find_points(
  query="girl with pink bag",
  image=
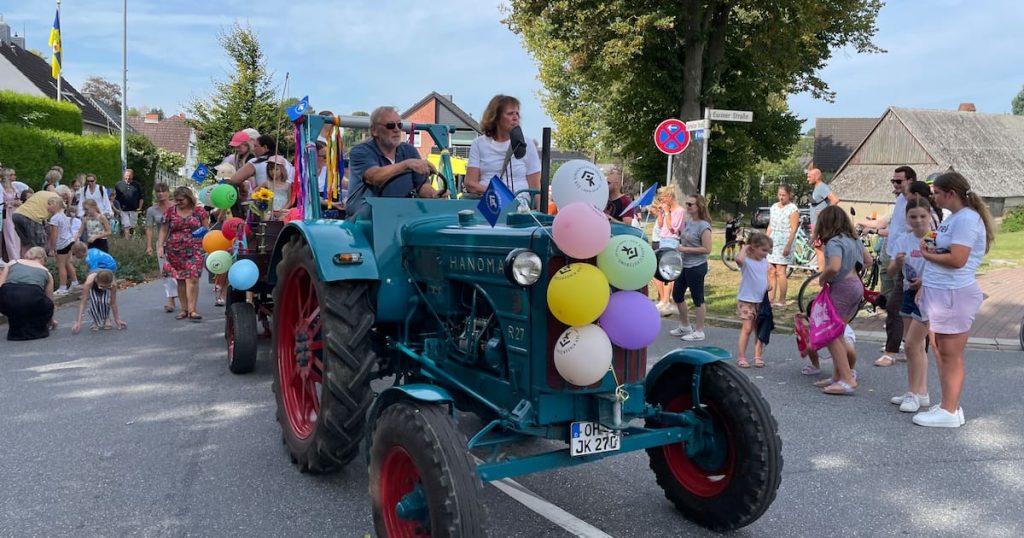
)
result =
(842, 291)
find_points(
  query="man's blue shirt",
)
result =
(368, 155)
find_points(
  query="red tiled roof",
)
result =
(170, 133)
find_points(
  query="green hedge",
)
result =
(31, 152)
(39, 112)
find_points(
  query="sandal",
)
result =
(810, 370)
(822, 383)
(168, 308)
(194, 316)
(885, 361)
(758, 362)
(218, 302)
(181, 315)
(94, 328)
(742, 363)
(839, 388)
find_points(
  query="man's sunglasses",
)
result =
(391, 125)
(896, 181)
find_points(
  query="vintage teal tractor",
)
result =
(451, 314)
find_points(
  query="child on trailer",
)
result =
(100, 294)
(753, 264)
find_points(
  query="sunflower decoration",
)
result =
(260, 200)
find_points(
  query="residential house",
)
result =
(24, 72)
(172, 134)
(984, 148)
(437, 108)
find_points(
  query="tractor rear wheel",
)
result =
(240, 332)
(324, 360)
(728, 490)
(422, 479)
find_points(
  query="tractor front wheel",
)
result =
(324, 360)
(734, 486)
(422, 479)
(240, 332)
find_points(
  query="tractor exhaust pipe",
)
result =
(545, 168)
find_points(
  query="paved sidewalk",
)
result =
(997, 325)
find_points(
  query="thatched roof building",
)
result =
(988, 149)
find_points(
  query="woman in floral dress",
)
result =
(782, 226)
(183, 252)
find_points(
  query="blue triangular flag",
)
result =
(201, 173)
(495, 198)
(298, 109)
(647, 198)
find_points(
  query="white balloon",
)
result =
(583, 355)
(579, 181)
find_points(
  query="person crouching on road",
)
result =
(100, 294)
(26, 296)
(753, 264)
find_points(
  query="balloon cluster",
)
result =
(242, 274)
(579, 293)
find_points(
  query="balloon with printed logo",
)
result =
(579, 181)
(577, 294)
(583, 355)
(204, 195)
(233, 226)
(214, 240)
(223, 196)
(631, 320)
(628, 262)
(219, 262)
(243, 275)
(580, 231)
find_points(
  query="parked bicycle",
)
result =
(810, 289)
(1022, 334)
(870, 275)
(804, 258)
(730, 248)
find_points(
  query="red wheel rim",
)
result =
(398, 477)
(697, 480)
(299, 348)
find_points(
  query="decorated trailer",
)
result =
(458, 316)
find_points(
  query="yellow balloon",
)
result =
(578, 294)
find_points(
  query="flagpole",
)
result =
(124, 85)
(60, 74)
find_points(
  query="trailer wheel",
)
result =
(733, 489)
(240, 332)
(422, 479)
(323, 362)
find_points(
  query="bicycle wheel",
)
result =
(1022, 334)
(729, 254)
(808, 291)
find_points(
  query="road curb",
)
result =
(973, 342)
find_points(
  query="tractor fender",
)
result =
(328, 238)
(417, 392)
(693, 356)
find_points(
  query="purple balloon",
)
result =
(631, 320)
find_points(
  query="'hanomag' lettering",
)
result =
(475, 264)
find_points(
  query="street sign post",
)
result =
(713, 114)
(671, 137)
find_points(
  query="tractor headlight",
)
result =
(523, 267)
(670, 264)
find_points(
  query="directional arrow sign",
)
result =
(731, 115)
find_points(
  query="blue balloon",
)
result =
(200, 232)
(243, 275)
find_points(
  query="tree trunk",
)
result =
(686, 165)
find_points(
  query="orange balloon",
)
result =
(215, 240)
(552, 208)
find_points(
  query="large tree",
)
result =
(1017, 105)
(246, 99)
(103, 89)
(612, 69)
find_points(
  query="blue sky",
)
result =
(940, 53)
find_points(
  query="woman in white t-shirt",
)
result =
(950, 296)
(487, 154)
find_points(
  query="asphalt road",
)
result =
(145, 433)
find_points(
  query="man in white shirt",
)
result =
(94, 191)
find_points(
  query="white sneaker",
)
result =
(897, 400)
(938, 417)
(74, 285)
(922, 399)
(695, 336)
(681, 330)
(959, 412)
(61, 291)
(912, 402)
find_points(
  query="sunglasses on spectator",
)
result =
(690, 204)
(391, 125)
(896, 181)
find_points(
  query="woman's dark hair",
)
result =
(268, 142)
(788, 189)
(494, 110)
(923, 200)
(920, 188)
(833, 222)
(187, 193)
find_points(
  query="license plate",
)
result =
(591, 438)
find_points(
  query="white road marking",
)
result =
(545, 509)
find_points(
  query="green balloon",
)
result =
(219, 262)
(628, 262)
(223, 196)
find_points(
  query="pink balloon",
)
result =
(580, 230)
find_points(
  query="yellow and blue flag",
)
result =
(56, 59)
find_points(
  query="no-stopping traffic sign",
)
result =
(671, 136)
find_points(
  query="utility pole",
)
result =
(124, 85)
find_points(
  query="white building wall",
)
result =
(12, 79)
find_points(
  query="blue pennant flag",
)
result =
(495, 198)
(201, 173)
(298, 109)
(647, 198)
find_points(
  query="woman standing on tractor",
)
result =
(487, 154)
